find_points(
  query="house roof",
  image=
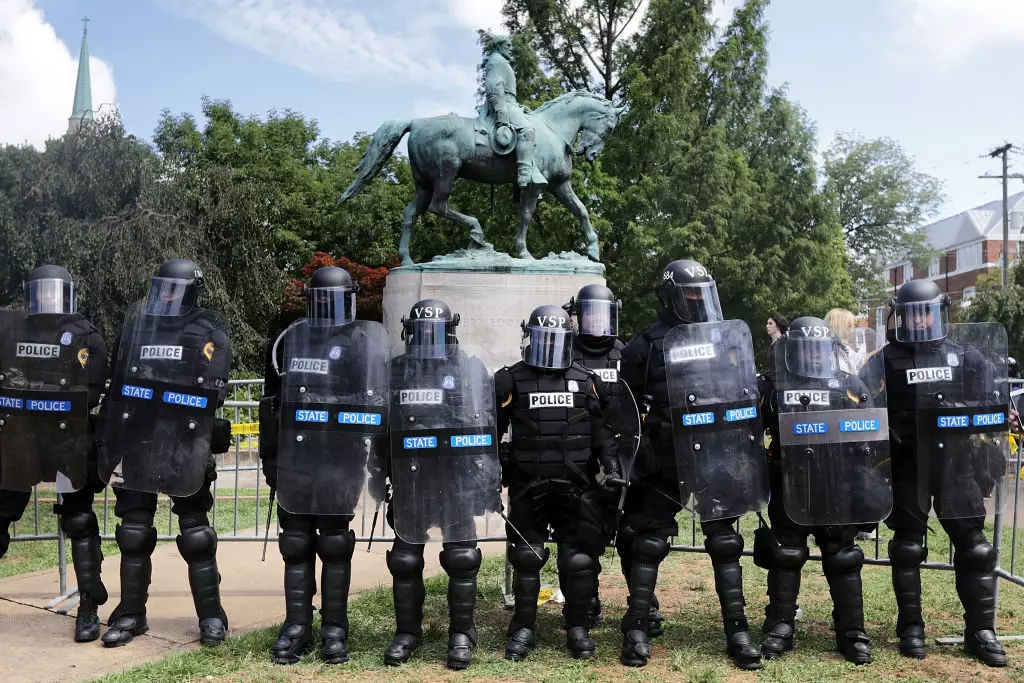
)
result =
(981, 222)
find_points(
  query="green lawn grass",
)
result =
(692, 648)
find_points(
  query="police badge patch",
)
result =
(208, 350)
(335, 353)
(952, 360)
(448, 382)
(65, 339)
(573, 385)
(83, 357)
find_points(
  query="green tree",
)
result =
(882, 201)
(992, 303)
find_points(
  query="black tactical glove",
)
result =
(220, 438)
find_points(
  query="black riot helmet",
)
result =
(548, 338)
(921, 311)
(429, 331)
(596, 310)
(688, 293)
(331, 297)
(175, 288)
(811, 348)
(49, 290)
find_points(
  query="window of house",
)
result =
(969, 257)
(969, 292)
(908, 272)
(933, 267)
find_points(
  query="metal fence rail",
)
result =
(241, 467)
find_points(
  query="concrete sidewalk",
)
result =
(38, 645)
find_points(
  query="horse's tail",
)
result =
(377, 154)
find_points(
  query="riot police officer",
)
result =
(829, 473)
(444, 473)
(322, 425)
(50, 351)
(160, 432)
(559, 442)
(687, 296)
(940, 378)
(597, 347)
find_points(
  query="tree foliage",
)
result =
(882, 201)
(992, 303)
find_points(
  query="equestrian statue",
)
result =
(445, 148)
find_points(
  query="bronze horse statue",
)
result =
(445, 148)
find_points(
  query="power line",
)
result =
(1003, 152)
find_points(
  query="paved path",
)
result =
(38, 645)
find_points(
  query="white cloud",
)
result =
(722, 11)
(37, 76)
(945, 32)
(330, 40)
(476, 14)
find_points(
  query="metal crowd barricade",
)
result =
(242, 463)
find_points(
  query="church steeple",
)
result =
(81, 110)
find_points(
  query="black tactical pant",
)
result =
(461, 560)
(78, 522)
(302, 538)
(577, 517)
(783, 552)
(649, 520)
(974, 562)
(197, 543)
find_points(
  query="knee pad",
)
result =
(650, 549)
(80, 525)
(5, 542)
(790, 557)
(844, 560)
(574, 561)
(296, 546)
(522, 557)
(724, 546)
(461, 560)
(980, 557)
(135, 539)
(405, 563)
(336, 546)
(197, 543)
(193, 519)
(904, 552)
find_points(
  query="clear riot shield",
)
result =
(834, 434)
(445, 472)
(715, 422)
(334, 416)
(962, 390)
(628, 429)
(44, 403)
(159, 411)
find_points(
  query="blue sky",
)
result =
(936, 75)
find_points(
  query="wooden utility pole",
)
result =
(1005, 177)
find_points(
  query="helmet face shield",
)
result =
(695, 303)
(330, 306)
(598, 318)
(428, 338)
(50, 296)
(170, 297)
(922, 321)
(812, 357)
(548, 348)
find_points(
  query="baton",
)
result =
(270, 513)
(373, 527)
(521, 537)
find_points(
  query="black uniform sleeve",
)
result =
(270, 408)
(604, 445)
(634, 365)
(979, 376)
(504, 399)
(219, 370)
(96, 366)
(872, 373)
(860, 393)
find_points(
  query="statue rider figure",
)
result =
(512, 127)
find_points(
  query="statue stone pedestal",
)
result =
(492, 292)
